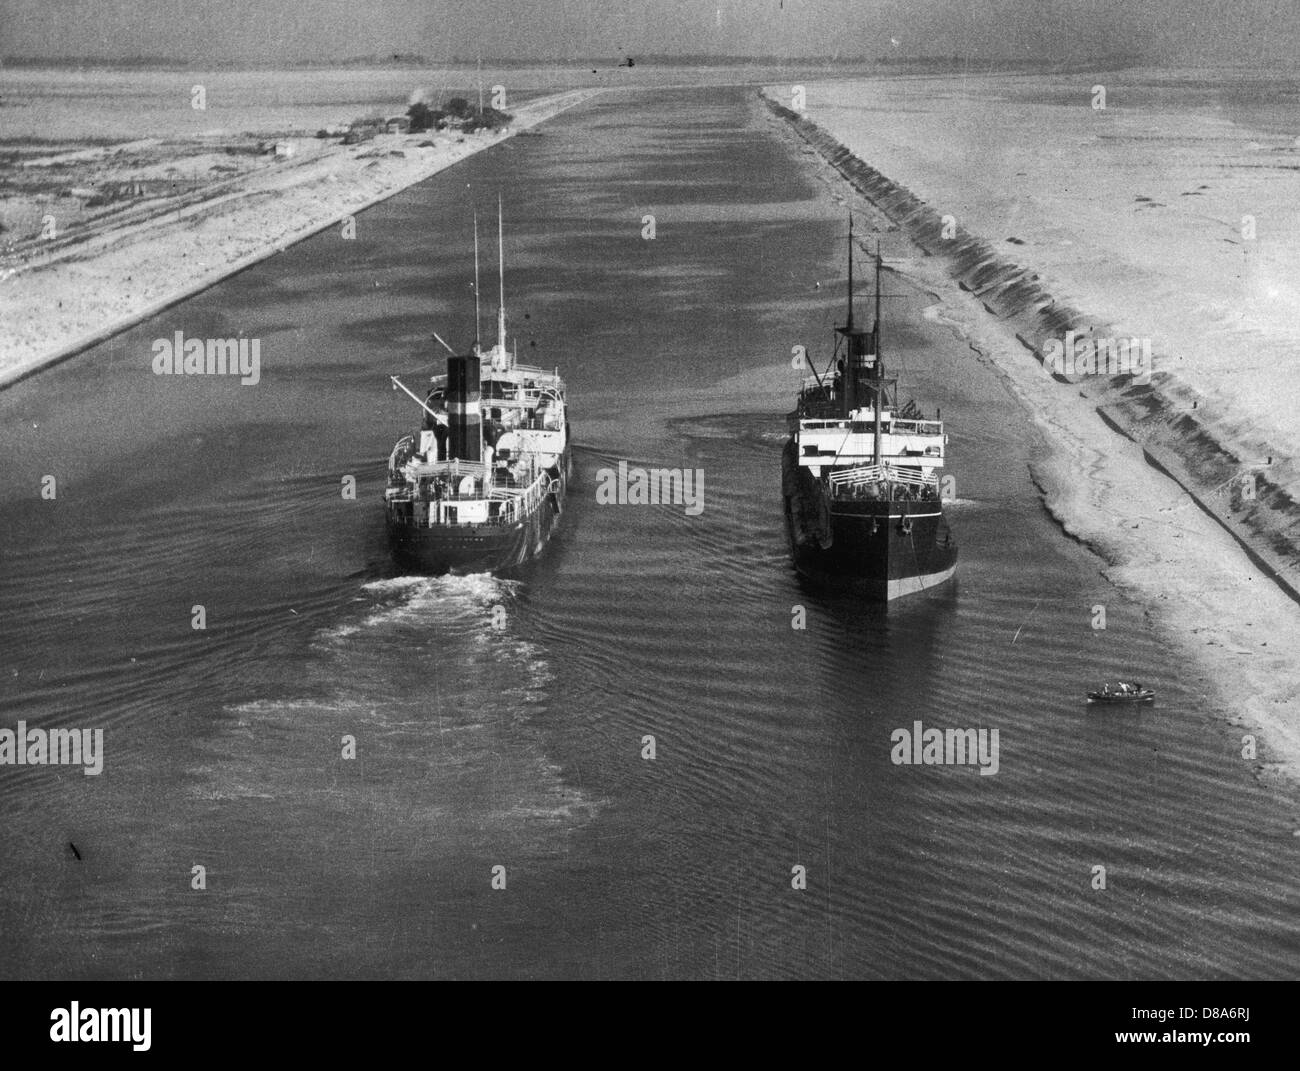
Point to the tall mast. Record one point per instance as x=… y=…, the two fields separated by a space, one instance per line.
x=501 y=265
x=876 y=325
x=849 y=322
x=877 y=370
x=851 y=343
x=478 y=316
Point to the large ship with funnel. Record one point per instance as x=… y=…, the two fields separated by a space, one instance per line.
x=860 y=476
x=482 y=484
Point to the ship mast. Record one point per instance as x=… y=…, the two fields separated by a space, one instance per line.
x=501 y=265
x=848 y=323
x=859 y=348
x=875 y=327
x=478 y=315
x=848 y=380
x=876 y=370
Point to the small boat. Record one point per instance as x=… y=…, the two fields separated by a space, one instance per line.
x=1122 y=692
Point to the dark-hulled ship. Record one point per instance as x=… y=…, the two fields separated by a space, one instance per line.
x=860 y=476
x=481 y=486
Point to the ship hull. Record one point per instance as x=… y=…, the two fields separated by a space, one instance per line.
x=881 y=550
x=480 y=548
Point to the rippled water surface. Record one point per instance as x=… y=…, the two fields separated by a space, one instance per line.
x=502 y=722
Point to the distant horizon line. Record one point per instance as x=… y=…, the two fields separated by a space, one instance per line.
x=690 y=59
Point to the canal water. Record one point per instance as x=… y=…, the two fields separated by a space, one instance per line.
x=503 y=728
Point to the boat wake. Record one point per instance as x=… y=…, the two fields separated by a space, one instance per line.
x=454 y=600
x=472 y=588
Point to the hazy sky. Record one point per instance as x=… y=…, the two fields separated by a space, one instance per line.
x=262 y=30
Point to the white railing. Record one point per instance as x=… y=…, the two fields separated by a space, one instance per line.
x=917 y=427
x=868 y=474
x=516 y=502
x=521 y=502
x=931 y=429
x=455 y=468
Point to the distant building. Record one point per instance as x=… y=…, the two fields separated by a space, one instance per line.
x=281 y=149
x=398 y=124
x=363 y=130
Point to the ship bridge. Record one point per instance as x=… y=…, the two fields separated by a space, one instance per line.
x=836 y=442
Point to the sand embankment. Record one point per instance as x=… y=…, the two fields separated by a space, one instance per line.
x=1215 y=566
x=55 y=306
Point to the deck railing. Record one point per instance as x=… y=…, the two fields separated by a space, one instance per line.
x=869 y=474
x=515 y=503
